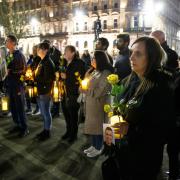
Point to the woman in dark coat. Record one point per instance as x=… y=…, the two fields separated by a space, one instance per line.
x=70 y=105
x=148 y=102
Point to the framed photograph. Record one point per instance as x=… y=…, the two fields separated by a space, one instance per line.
x=108 y=134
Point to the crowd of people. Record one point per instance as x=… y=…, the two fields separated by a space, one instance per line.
x=149 y=72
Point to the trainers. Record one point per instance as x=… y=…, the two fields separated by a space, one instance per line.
x=36 y=112
x=28 y=111
x=88 y=150
x=94 y=153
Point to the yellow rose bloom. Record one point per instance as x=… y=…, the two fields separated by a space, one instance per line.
x=113 y=79
x=107 y=108
x=76 y=73
x=110 y=114
x=22 y=78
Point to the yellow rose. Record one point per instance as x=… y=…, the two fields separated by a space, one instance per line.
x=76 y=73
x=113 y=79
x=22 y=78
x=107 y=108
x=110 y=114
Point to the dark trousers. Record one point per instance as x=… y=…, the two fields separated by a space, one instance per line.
x=97 y=141
x=28 y=102
x=55 y=108
x=70 y=109
x=17 y=107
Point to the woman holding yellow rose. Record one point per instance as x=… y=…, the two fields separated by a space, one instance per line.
x=148 y=102
x=96 y=97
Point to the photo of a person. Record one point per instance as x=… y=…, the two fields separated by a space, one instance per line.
x=108 y=135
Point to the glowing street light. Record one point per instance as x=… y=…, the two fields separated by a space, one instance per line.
x=152 y=9
x=34 y=25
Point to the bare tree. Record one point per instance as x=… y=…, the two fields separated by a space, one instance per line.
x=12 y=20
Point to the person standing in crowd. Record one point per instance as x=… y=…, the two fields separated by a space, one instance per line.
x=122 y=63
x=148 y=102
x=16 y=65
x=34 y=65
x=70 y=106
x=171 y=65
x=28 y=99
x=86 y=58
x=44 y=76
x=55 y=56
x=96 y=97
x=103 y=44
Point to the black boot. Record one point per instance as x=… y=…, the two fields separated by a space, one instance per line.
x=65 y=136
x=44 y=136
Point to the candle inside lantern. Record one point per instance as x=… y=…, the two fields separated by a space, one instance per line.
x=4 y=102
x=29 y=73
x=114 y=119
x=35 y=91
x=84 y=84
x=56 y=92
x=30 y=91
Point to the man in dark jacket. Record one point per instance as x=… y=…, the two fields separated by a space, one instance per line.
x=55 y=55
x=171 y=63
x=103 y=44
x=16 y=65
x=122 y=64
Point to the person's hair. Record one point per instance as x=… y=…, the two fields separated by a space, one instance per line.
x=104 y=42
x=44 y=46
x=154 y=53
x=31 y=56
x=102 y=61
x=72 y=49
x=125 y=37
x=108 y=129
x=13 y=38
x=46 y=41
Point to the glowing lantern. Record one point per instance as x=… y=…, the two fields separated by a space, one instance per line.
x=84 y=84
x=56 y=92
x=4 y=103
x=35 y=91
x=29 y=74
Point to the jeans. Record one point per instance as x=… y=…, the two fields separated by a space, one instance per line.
x=44 y=102
x=17 y=104
x=97 y=141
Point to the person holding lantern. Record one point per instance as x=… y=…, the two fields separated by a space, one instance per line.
x=147 y=103
x=96 y=96
x=44 y=76
x=16 y=65
x=70 y=106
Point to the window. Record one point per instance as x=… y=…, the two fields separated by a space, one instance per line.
x=115 y=5
x=136 y=23
x=105 y=24
x=115 y=24
x=95 y=8
x=85 y=44
x=77 y=27
x=85 y=26
x=105 y=6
